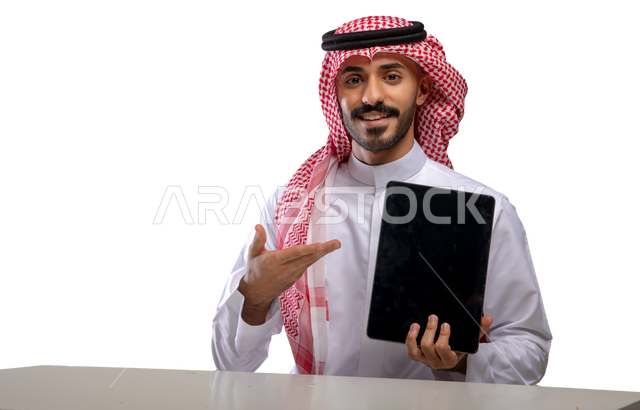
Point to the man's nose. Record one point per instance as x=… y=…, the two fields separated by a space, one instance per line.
x=373 y=92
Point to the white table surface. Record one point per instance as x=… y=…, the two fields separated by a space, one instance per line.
x=60 y=387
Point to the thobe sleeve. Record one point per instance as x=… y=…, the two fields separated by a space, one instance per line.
x=235 y=345
x=520 y=337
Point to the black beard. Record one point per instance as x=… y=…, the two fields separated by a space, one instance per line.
x=375 y=143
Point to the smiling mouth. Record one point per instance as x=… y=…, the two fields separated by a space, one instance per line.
x=371 y=117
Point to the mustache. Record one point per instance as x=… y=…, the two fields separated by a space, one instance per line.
x=379 y=107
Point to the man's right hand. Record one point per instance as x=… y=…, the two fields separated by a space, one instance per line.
x=269 y=273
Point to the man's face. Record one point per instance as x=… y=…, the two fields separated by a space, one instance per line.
x=378 y=98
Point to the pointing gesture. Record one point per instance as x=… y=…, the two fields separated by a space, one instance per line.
x=270 y=273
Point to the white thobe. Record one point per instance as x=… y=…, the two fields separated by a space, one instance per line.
x=520 y=337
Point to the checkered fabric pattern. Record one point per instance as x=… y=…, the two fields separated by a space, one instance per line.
x=304 y=305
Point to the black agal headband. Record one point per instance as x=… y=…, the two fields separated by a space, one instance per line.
x=373 y=38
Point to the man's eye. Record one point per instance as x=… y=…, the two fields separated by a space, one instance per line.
x=354 y=80
x=393 y=77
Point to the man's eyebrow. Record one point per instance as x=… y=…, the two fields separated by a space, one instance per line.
x=357 y=69
x=352 y=69
x=392 y=66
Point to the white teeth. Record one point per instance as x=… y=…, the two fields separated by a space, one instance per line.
x=374 y=117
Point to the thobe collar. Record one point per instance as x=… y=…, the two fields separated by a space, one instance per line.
x=399 y=170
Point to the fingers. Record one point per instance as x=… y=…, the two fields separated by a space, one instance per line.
x=411 y=344
x=283 y=256
x=259 y=240
x=443 y=339
x=436 y=355
x=318 y=250
x=448 y=357
x=296 y=267
x=300 y=257
x=427 y=344
x=275 y=271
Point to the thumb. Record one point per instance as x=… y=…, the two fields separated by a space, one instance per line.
x=259 y=240
x=485 y=324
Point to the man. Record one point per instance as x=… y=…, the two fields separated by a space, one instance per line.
x=392 y=103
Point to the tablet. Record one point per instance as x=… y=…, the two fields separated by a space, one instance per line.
x=432 y=258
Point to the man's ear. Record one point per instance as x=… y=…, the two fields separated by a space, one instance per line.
x=424 y=86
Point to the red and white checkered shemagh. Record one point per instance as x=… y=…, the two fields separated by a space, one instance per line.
x=304 y=305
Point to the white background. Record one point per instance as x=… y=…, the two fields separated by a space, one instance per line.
x=103 y=104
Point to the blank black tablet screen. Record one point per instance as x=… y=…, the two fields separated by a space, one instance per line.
x=433 y=262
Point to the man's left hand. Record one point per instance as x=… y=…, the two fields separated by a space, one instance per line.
x=439 y=355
